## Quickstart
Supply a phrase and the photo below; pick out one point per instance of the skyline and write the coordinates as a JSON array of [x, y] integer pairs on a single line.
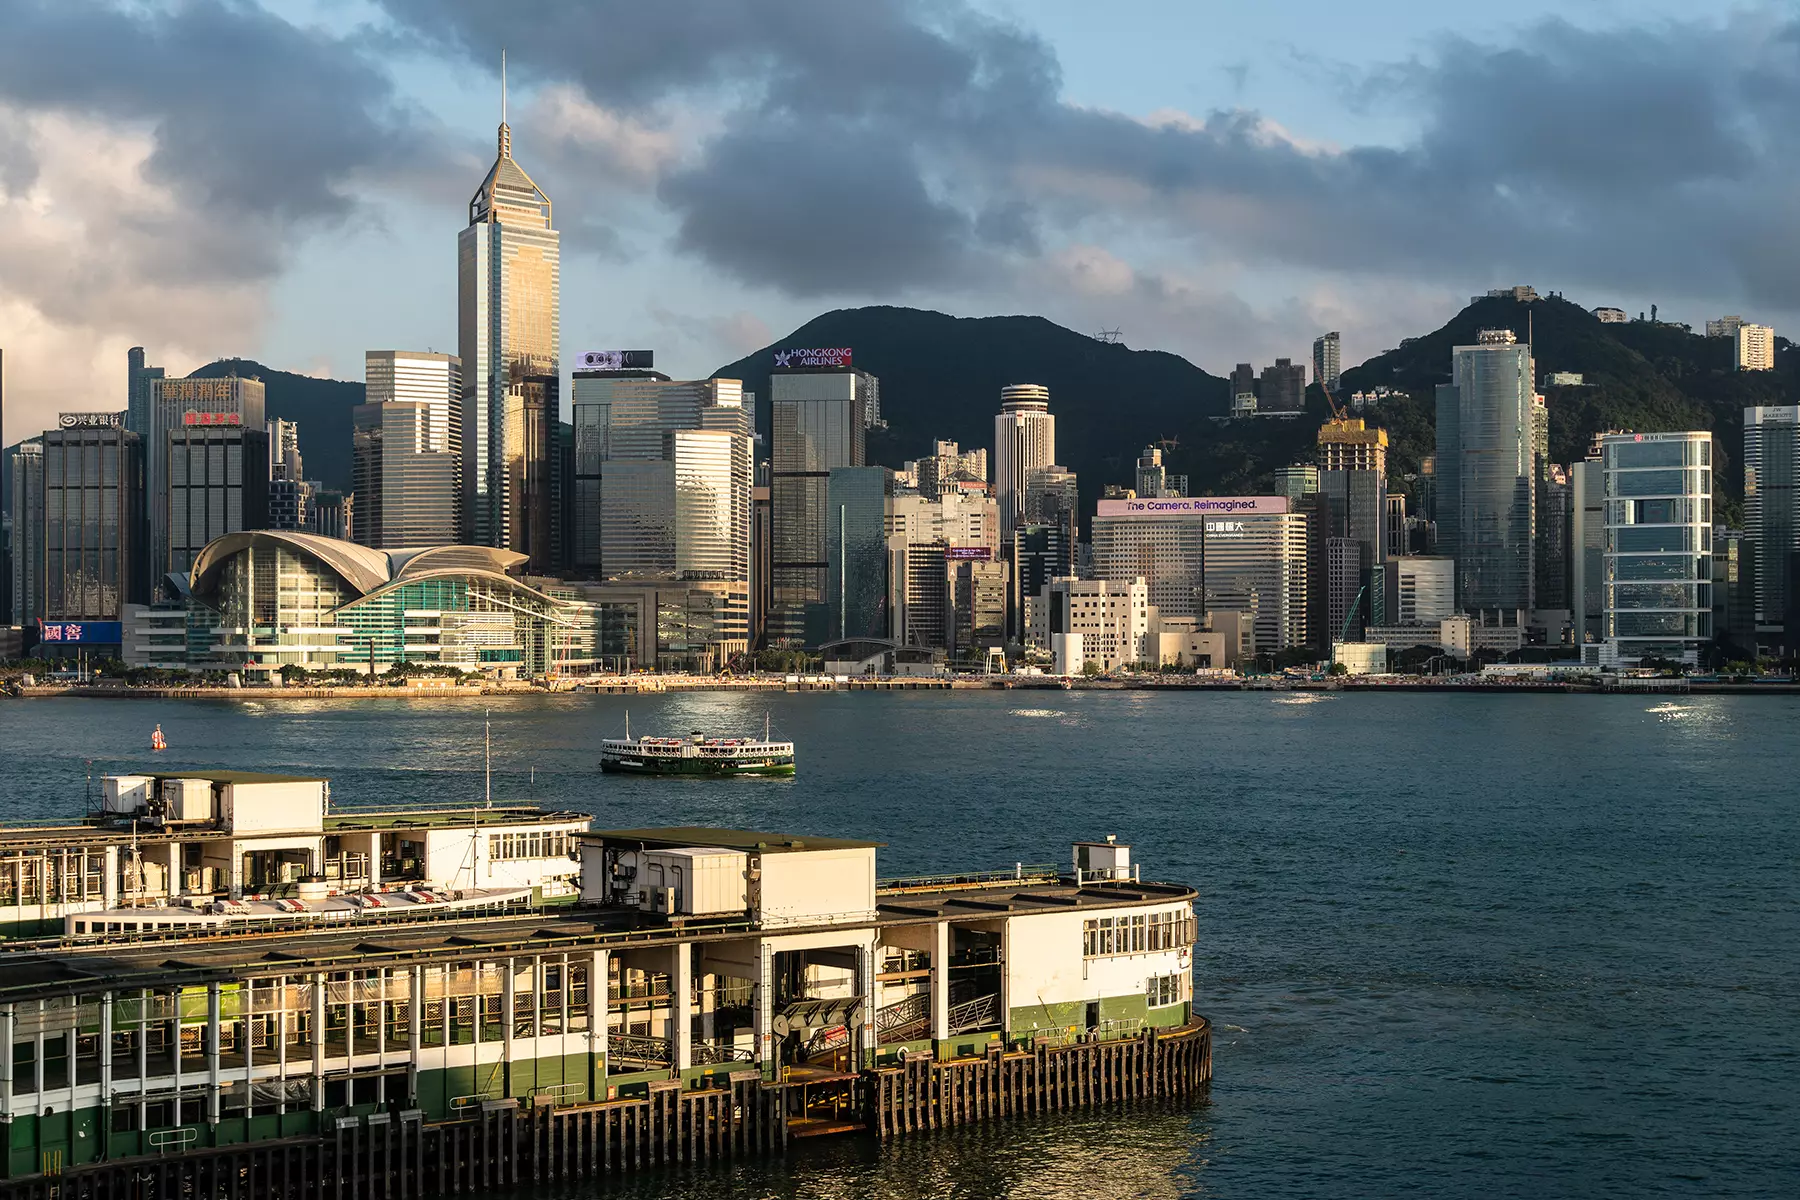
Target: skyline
[[984, 163]]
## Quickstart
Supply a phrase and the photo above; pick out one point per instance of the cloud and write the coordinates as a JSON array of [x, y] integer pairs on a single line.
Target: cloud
[[1603, 157], [158, 168]]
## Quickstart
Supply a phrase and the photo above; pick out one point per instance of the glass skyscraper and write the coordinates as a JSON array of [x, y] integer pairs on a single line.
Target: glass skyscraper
[[179, 407], [508, 335], [1486, 491], [1658, 550], [405, 450], [93, 519], [1772, 513], [856, 584], [817, 419]]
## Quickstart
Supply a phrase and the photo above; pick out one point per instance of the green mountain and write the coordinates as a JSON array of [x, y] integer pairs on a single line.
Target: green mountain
[[321, 406], [941, 378], [1643, 376]]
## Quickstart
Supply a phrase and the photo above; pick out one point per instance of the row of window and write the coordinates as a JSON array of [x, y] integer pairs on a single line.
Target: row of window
[[1141, 933], [546, 843]]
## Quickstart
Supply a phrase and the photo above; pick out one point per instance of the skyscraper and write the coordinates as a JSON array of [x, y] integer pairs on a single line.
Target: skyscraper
[[1772, 515], [92, 512], [179, 407], [817, 419], [406, 450], [218, 484], [856, 549], [140, 391], [1353, 473], [1024, 442], [508, 335], [1658, 550], [1487, 496], [289, 492], [1326, 356], [27, 509]]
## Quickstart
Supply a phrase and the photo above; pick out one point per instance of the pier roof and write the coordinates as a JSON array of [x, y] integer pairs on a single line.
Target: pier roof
[[62, 966], [681, 836]]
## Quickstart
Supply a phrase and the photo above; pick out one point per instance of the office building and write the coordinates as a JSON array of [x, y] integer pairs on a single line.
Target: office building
[[1327, 357], [1772, 517], [1165, 548], [684, 515], [1282, 388], [1040, 553], [1105, 623], [140, 393], [1555, 519], [284, 449], [91, 519], [1753, 348], [817, 426], [1398, 536], [1586, 549], [218, 484], [1486, 476], [1353, 474], [761, 592], [1734, 592], [1658, 552], [509, 347], [178, 408], [1052, 496], [1421, 590], [1255, 562], [1024, 442], [979, 590], [421, 377], [406, 494], [1296, 481], [856, 535], [289, 492], [27, 508], [919, 609]]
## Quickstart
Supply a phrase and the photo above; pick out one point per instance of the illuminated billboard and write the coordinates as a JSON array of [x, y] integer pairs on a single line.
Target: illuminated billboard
[[615, 360], [81, 633], [969, 553], [1195, 506], [211, 418], [837, 358], [90, 420]]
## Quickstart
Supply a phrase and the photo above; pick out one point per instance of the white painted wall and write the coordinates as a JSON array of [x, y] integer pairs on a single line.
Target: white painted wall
[[284, 807], [1044, 962], [807, 887]]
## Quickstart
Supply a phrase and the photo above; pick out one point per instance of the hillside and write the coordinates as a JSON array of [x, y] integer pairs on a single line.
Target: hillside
[[1639, 375], [941, 378], [320, 406]]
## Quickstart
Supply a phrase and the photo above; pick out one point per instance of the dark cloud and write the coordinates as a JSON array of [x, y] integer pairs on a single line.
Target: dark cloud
[[253, 119], [1655, 156]]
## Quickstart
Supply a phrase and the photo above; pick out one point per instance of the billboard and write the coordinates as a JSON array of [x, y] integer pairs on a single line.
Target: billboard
[[90, 420], [211, 418], [81, 633], [1195, 506], [969, 553], [615, 360], [838, 358]]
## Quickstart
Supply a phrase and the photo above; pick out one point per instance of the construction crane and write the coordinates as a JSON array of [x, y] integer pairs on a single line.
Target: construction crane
[[1111, 337], [1350, 617], [1338, 411], [1168, 444]]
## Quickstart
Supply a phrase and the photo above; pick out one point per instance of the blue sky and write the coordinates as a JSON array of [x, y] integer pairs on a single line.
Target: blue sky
[[285, 182]]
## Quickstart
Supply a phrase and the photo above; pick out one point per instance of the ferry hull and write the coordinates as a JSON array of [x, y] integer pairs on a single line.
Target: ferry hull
[[703, 767]]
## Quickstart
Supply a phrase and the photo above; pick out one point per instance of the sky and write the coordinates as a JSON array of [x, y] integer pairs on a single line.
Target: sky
[[285, 180]]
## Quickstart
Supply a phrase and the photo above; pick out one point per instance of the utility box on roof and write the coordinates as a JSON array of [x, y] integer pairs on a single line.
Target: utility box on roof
[[287, 806], [693, 882], [187, 799], [1103, 860], [125, 794]]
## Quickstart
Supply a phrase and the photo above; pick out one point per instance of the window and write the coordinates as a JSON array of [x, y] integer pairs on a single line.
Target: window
[[1160, 991], [1137, 934]]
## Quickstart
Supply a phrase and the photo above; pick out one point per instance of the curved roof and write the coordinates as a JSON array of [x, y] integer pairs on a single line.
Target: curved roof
[[404, 564], [359, 566], [551, 603]]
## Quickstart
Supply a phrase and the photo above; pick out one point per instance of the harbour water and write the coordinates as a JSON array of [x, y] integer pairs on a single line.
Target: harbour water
[[1471, 945]]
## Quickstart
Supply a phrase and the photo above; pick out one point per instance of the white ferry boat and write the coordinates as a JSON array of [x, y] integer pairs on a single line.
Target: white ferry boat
[[696, 754]]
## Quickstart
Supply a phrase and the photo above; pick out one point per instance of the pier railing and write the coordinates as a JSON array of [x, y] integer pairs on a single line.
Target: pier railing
[[1020, 873]]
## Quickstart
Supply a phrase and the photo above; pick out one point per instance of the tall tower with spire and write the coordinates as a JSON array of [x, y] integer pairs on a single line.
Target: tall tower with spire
[[508, 335]]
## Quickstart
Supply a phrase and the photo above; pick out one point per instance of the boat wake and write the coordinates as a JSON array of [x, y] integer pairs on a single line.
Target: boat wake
[[1038, 712], [1302, 698]]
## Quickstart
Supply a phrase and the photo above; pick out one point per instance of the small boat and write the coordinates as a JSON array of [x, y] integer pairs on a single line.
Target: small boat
[[696, 754], [157, 742]]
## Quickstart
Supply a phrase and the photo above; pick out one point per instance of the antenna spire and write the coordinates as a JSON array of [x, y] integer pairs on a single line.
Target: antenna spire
[[505, 132]]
